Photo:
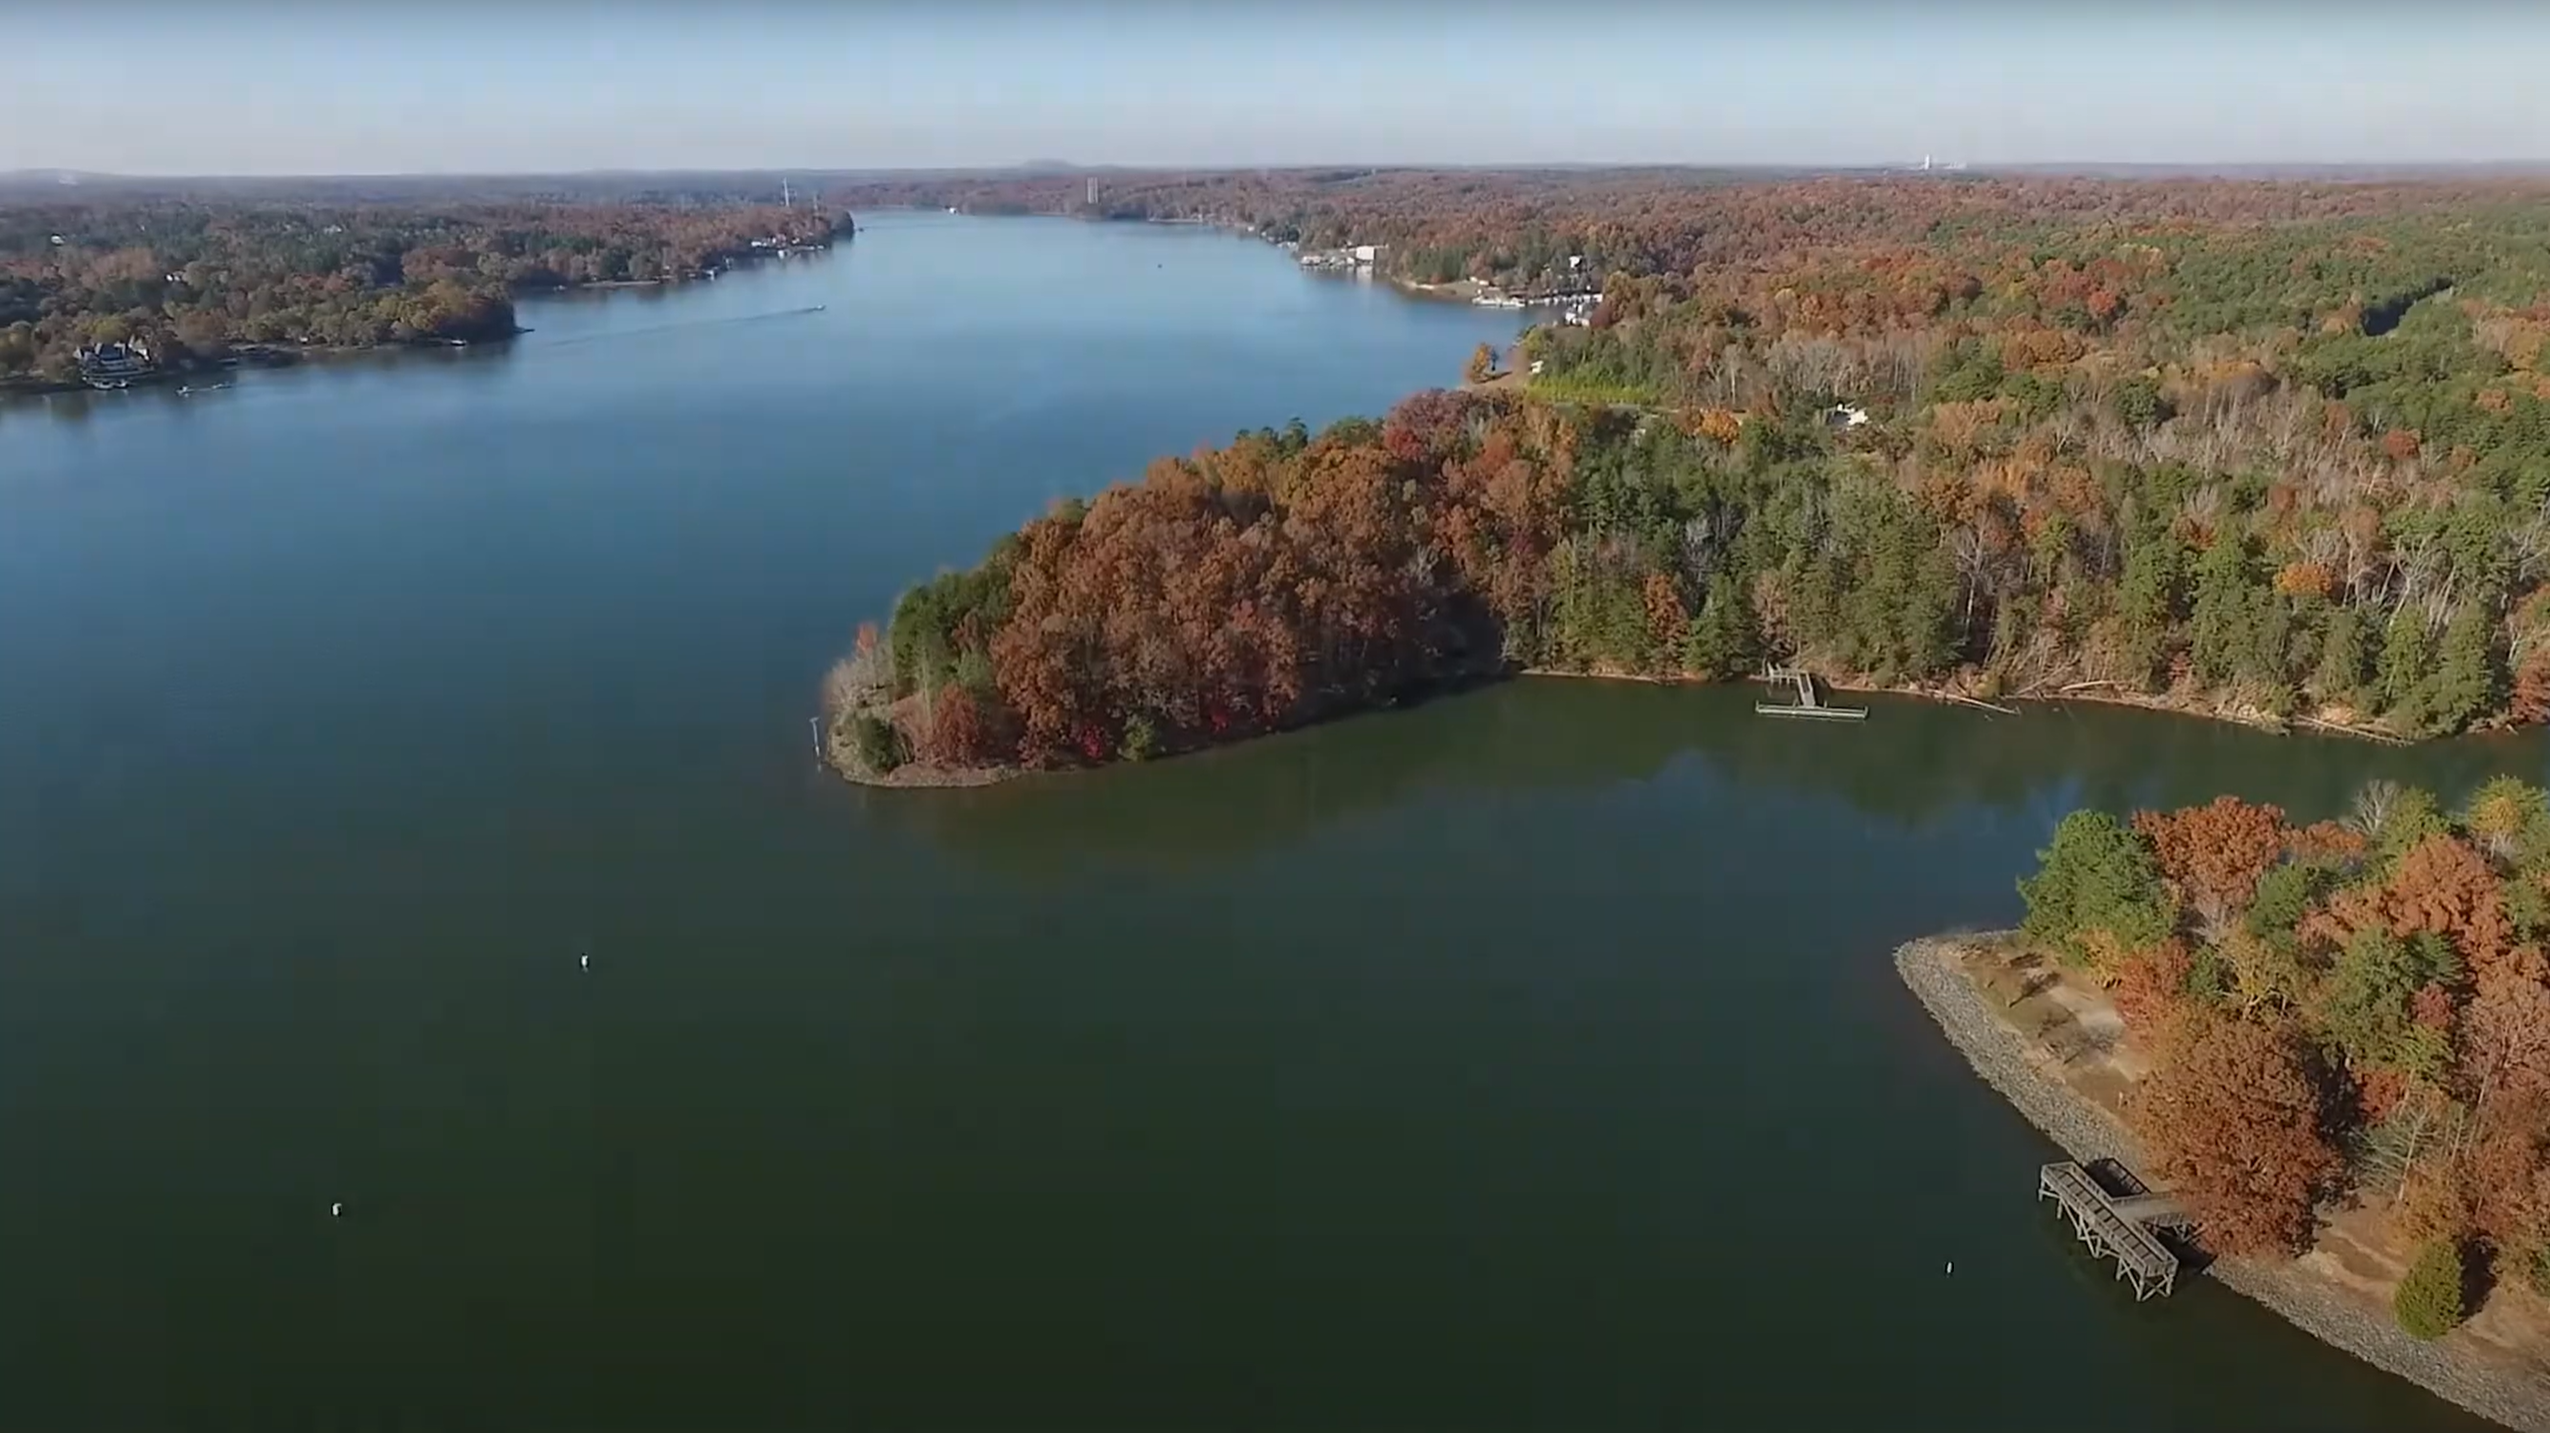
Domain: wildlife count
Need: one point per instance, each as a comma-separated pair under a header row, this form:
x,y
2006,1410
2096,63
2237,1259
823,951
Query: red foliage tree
x,y
1667,619
2444,886
2150,989
2212,856
1427,427
2441,885
2325,841
958,731
2506,1026
2529,702
2232,1124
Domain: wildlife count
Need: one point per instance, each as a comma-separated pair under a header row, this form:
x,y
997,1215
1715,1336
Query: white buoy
x,y
1952,1266
336,1209
584,962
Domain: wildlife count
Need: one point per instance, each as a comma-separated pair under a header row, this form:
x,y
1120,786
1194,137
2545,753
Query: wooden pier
x,y
1807,703
2117,1224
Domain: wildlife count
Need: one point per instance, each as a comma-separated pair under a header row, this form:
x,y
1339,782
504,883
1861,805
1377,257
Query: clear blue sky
x,y
256,86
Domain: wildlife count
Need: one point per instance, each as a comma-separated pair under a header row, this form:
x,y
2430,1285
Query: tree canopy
x,y
194,276
2350,1010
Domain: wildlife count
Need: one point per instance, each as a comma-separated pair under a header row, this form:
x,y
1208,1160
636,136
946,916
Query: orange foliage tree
x,y
2149,986
2232,1123
2212,856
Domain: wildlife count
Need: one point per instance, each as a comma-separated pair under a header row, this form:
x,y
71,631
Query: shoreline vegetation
x,y
2270,453
1953,977
176,286
2328,1044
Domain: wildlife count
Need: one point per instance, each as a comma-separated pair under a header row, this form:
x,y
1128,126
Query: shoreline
x,y
2003,1060
285,355
925,778
248,356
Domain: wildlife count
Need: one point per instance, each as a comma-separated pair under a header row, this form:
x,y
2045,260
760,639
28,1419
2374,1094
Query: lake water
x,y
1530,1059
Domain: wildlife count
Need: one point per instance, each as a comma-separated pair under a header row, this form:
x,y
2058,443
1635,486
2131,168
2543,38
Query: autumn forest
x,y
197,277
2277,452
2352,1012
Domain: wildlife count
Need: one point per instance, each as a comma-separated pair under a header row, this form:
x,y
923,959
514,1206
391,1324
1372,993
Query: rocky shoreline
x,y
1997,1053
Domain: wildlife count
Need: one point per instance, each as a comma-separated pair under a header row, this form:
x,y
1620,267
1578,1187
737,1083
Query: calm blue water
x,y
1526,1060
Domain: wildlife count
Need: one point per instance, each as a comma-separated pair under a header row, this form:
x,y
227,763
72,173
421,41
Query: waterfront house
x,y
114,365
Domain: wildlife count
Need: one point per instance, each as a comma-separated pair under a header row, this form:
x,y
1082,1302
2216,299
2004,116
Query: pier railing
x,y
2116,1229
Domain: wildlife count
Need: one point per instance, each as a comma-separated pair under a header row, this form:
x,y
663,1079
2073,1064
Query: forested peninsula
x,y
2329,1043
2272,451
188,281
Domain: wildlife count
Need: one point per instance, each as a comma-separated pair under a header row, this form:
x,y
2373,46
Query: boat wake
x,y
719,322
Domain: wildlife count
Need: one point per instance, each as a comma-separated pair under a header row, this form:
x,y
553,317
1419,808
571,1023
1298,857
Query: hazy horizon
x,y
984,84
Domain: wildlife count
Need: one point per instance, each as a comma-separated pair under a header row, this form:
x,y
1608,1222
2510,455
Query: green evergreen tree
x,y
2097,875
2266,660
2220,630
2365,1007
2146,598
2413,816
2408,655
2339,677
2428,1301
2466,682
2284,897
1724,640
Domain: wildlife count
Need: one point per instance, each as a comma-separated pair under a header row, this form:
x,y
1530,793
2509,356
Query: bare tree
x,y
2374,802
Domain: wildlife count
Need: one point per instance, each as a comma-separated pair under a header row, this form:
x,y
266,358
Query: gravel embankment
x,y
2448,1369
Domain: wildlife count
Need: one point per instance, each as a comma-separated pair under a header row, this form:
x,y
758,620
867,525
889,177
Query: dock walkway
x,y
2114,1227
1808,704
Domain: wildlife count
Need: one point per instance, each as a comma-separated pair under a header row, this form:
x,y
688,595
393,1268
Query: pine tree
x,y
2465,682
1723,642
2339,679
2428,1302
2408,651
2219,629
2145,595
2096,876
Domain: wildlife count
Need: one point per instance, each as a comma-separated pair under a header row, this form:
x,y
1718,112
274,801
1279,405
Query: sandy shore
x,y
2449,1367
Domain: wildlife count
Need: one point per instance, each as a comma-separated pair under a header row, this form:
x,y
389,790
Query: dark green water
x,y
1527,1060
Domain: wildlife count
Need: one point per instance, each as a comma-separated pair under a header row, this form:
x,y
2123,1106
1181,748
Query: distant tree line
x,y
194,278
1520,228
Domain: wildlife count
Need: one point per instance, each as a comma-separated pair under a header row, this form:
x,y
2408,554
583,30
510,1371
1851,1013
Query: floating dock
x,y
1807,703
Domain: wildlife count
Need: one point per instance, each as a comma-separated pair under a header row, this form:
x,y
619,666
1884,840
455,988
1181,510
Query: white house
x,y
1366,253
